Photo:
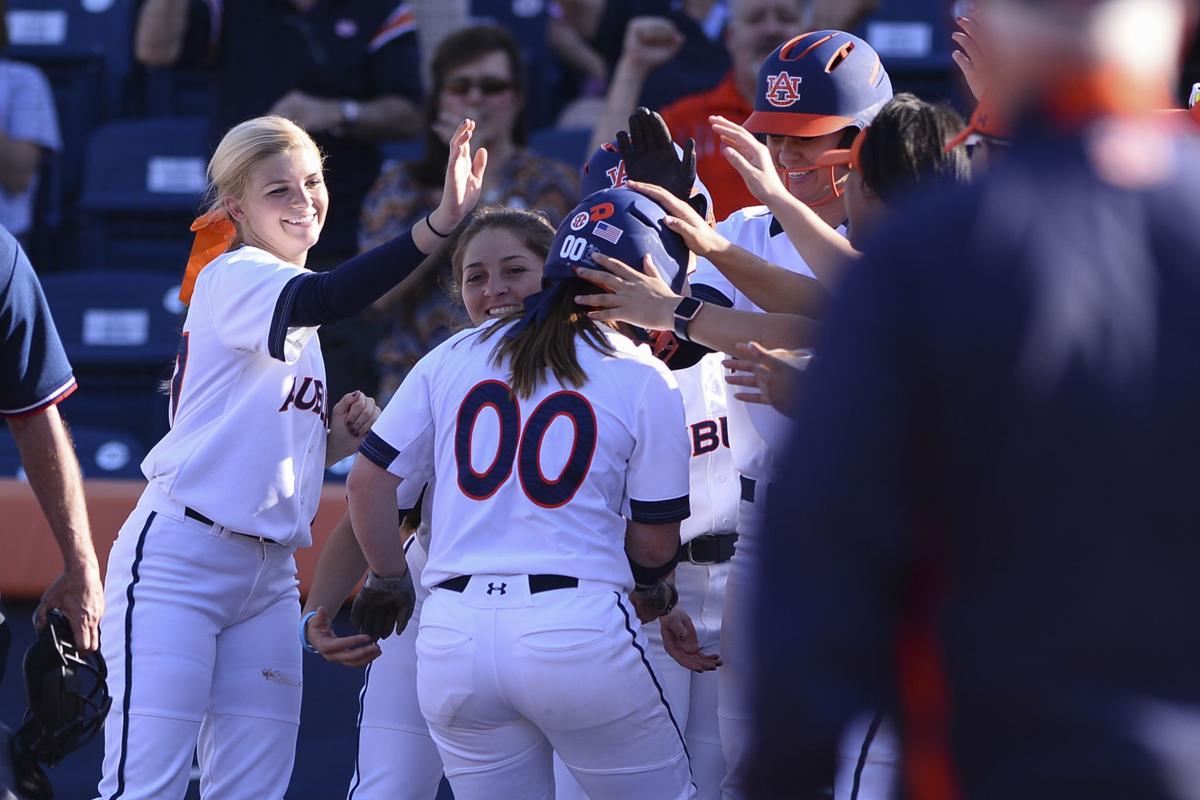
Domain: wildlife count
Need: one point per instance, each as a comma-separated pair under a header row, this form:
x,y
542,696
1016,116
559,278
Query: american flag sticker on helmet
x,y
609,233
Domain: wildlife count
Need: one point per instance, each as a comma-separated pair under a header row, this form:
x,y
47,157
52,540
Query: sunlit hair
x,y
245,146
531,228
550,344
905,148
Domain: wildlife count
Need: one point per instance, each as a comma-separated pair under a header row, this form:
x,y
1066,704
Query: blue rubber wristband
x,y
304,639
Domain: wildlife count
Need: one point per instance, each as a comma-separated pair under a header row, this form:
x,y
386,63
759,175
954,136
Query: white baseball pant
x,y
505,677
199,633
691,695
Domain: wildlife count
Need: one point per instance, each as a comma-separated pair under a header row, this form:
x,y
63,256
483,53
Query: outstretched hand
x,y
682,644
972,59
773,377
650,157
464,179
639,298
700,237
351,651
751,159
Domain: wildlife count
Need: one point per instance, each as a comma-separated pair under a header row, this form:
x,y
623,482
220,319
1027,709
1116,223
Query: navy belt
x,y
711,548
192,513
537,583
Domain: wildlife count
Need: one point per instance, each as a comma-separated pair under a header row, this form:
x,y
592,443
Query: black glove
x,y
650,157
384,605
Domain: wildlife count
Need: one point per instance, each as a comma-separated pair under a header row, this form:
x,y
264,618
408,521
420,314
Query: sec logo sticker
x,y
579,220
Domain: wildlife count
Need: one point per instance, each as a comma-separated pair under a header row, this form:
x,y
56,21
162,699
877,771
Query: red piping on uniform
x,y
923,689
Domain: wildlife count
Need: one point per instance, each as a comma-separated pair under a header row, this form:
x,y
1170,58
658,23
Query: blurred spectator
x,y
756,27
347,72
691,34
478,72
437,19
28,133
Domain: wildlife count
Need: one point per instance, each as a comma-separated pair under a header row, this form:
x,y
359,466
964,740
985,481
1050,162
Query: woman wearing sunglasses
x,y
478,68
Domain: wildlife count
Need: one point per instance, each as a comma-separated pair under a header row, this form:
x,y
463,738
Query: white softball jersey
x,y
754,427
714,484
537,485
249,409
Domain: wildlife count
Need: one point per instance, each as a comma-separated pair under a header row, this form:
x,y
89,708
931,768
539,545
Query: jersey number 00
x,y
524,445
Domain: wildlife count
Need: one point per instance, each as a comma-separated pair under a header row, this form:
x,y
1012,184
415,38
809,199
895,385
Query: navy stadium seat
x,y
175,92
102,453
142,187
121,333
568,145
913,40
85,47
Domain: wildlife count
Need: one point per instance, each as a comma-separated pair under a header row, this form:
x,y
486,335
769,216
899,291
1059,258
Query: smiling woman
x,y
202,600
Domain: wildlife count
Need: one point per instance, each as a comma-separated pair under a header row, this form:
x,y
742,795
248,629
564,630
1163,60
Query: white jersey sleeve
x,y
402,438
709,283
658,476
250,296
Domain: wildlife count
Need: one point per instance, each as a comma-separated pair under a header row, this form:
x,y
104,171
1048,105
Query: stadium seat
x,y
568,145
86,51
175,92
912,34
401,150
121,333
102,454
143,183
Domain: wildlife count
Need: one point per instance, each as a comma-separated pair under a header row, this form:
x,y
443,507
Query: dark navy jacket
x,y
989,521
34,371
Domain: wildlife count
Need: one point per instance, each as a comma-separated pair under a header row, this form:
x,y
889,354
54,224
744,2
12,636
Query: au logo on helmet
x,y
782,89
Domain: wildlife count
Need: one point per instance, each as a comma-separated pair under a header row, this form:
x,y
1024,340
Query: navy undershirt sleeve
x,y
323,298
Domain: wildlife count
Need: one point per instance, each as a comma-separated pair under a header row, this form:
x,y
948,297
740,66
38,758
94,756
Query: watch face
x,y
688,308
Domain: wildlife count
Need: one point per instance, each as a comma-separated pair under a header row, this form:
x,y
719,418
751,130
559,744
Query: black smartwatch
x,y
685,312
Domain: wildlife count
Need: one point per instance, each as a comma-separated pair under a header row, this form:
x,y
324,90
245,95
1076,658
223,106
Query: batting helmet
x,y
606,170
619,223
816,84
67,693
622,224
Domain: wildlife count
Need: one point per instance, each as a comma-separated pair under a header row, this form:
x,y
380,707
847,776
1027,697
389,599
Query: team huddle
x,y
557,514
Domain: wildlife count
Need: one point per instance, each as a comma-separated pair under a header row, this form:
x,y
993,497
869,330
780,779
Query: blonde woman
x,y
202,595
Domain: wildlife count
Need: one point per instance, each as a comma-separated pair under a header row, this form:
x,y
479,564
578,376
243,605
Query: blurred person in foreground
x,y
986,523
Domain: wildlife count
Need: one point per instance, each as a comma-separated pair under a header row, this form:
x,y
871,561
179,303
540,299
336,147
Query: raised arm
x,y
355,284
826,252
649,43
769,286
644,299
161,27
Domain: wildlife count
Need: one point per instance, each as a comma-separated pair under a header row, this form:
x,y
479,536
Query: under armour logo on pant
x,y
494,588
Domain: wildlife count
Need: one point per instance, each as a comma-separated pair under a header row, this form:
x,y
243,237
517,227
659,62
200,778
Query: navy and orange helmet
x,y
816,84
819,83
